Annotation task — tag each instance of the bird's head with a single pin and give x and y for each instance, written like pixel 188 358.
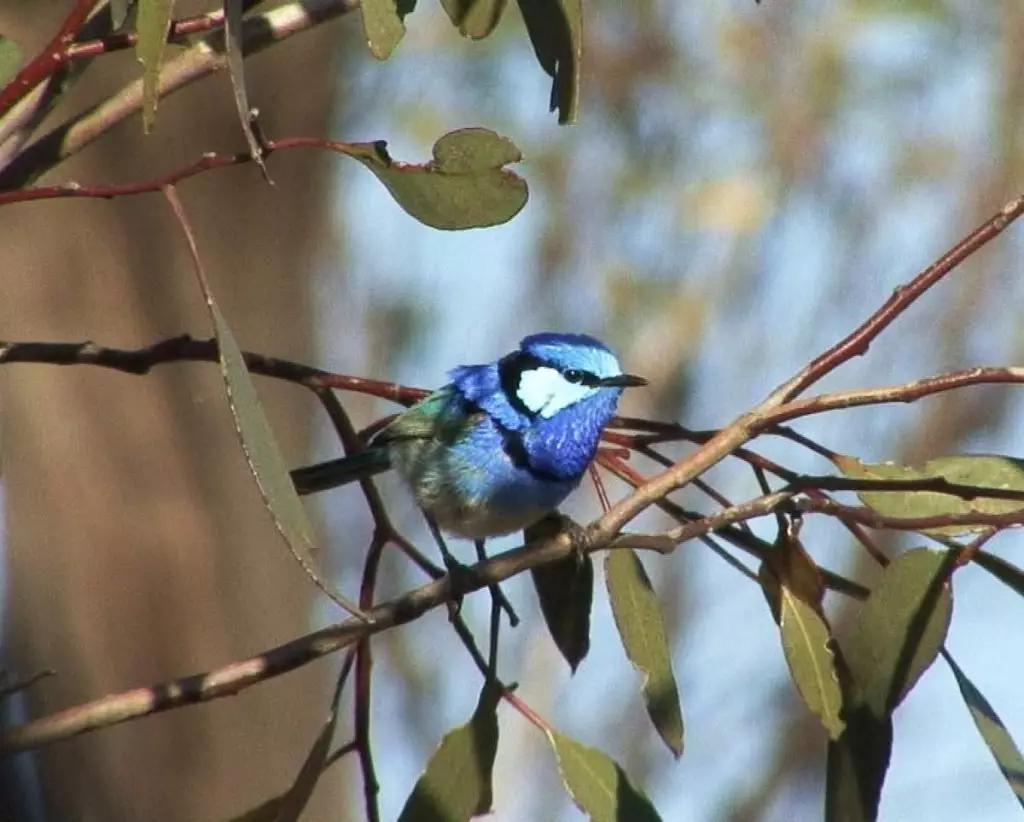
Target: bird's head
pixel 553 372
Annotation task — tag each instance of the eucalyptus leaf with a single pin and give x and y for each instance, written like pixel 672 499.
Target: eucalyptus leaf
pixel 641 628
pixel 856 765
pixel 152 24
pixel 236 71
pixel 566 593
pixel 475 18
pixel 383 24
pixel 10 59
pixel 556 33
pixel 1003 570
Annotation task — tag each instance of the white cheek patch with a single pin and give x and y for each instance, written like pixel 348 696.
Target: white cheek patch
pixel 546 392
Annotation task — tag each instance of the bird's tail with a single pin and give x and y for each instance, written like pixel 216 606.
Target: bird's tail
pixel 323 476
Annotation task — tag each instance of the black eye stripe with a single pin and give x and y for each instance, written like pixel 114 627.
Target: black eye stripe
pixel 510 369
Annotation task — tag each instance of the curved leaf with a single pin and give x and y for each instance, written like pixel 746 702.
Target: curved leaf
pixel 456 784
pixel 464 186
pixel 900 628
pixel 598 786
pixel 983 471
pixel 556 32
pixel 566 592
pixel 637 615
pixel 383 24
pixel 152 23
pixel 474 18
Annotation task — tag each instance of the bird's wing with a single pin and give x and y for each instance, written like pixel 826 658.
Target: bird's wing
pixel 444 415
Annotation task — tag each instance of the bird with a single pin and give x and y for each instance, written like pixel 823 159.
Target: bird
pixel 502 444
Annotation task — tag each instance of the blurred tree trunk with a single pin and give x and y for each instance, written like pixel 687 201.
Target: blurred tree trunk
pixel 137 548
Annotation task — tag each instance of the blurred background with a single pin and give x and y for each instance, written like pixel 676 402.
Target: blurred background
pixel 746 184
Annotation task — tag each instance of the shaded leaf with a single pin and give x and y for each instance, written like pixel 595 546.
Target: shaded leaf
pixel 992 730
pixel 598 786
pixel 475 18
pixel 900 628
pixel 119 13
pixel 638 617
pixel 10 59
pixel 236 71
pixel 152 24
pixel 456 784
pixel 383 24
pixel 566 592
pixel 1006 572
pixel 983 471
pixel 464 186
pixel 856 766
pixel 556 32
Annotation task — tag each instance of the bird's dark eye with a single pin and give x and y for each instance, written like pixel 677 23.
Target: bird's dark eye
pixel 574 375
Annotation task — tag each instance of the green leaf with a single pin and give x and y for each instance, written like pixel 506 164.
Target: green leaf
pixel 119 13
pixel 10 59
pixel 456 784
pixel 475 18
pixel 637 615
pixel 900 628
pixel 383 24
pixel 556 32
pixel 236 71
pixel 992 730
pixel 982 471
pixel 1006 572
pixel 152 25
pixel 856 765
pixel 598 786
pixel 566 592
pixel 464 186
pixel 264 455
pixel 807 644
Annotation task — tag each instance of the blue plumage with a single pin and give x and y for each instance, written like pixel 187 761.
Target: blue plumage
pixel 500 446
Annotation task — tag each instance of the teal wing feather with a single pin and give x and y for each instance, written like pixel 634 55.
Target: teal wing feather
pixel 441 416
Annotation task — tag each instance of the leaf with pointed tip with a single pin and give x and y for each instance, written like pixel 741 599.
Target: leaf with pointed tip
pixel 1006 572
pixel 236 71
pixel 474 18
pixel 980 470
pixel 566 593
pixel 642 631
pixel 383 24
pixel 152 24
pixel 464 186
pixel 598 785
pixel 856 765
pixel 1004 750
pixel 900 628
pixel 556 32
pixel 263 454
pixel 456 785
pixel 807 644
pixel 10 59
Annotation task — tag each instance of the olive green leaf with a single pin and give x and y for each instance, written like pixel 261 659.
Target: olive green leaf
pixel 556 32
pixel 152 25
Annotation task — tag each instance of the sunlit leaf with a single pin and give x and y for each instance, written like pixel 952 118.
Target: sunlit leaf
pixel 383 24
pixel 1006 572
pixel 638 617
pixel 598 786
pixel 464 186
pixel 556 32
pixel 566 592
pixel 152 24
pixel 900 628
pixel 236 71
pixel 983 471
pixel 10 59
pixel 992 730
pixel 456 784
pixel 475 18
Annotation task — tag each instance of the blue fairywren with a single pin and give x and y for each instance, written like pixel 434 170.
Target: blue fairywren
pixel 500 446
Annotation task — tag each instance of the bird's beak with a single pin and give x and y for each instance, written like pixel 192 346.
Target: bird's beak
pixel 623 381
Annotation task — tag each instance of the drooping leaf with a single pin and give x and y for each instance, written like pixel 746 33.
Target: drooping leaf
pixel 556 32
pixel 983 471
pixel 856 766
pixel 792 585
pixel 456 785
pixel 383 24
pixel 475 18
pixel 598 786
pixel 236 71
pixel 464 186
pixel 264 455
pixel 900 628
pixel 1004 750
pixel 1006 572
pixel 152 25
pixel 10 59
pixel 566 592
pixel 642 631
